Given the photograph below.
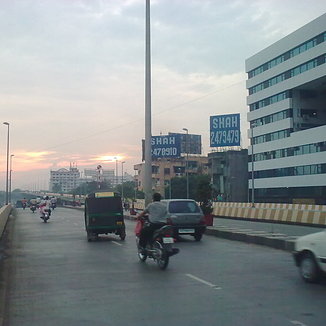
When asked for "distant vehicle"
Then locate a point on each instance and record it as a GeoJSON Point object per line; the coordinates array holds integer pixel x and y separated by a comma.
{"type": "Point", "coordinates": [46, 215]}
{"type": "Point", "coordinates": [310, 256]}
{"type": "Point", "coordinates": [103, 215]}
{"type": "Point", "coordinates": [186, 217]}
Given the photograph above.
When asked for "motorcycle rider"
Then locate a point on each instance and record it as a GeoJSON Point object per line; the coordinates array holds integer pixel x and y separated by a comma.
{"type": "Point", "coordinates": [45, 206]}
{"type": "Point", "coordinates": [157, 213]}
{"type": "Point", "coordinates": [53, 201]}
{"type": "Point", "coordinates": [24, 203]}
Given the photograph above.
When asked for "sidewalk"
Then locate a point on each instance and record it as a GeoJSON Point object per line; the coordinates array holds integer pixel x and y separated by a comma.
{"type": "Point", "coordinates": [275, 235]}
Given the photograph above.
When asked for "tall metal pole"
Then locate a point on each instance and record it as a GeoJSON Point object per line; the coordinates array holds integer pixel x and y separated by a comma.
{"type": "Point", "coordinates": [122, 179]}
{"type": "Point", "coordinates": [187, 151]}
{"type": "Point", "coordinates": [148, 114]}
{"type": "Point", "coordinates": [10, 172]}
{"type": "Point", "coordinates": [116, 172]}
{"type": "Point", "coordinates": [7, 174]}
{"type": "Point", "coordinates": [252, 168]}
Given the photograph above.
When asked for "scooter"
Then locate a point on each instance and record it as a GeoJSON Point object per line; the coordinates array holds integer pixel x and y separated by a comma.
{"type": "Point", "coordinates": [53, 206]}
{"type": "Point", "coordinates": [45, 215]}
{"type": "Point", "coordinates": [33, 208]}
{"type": "Point", "coordinates": [24, 205]}
{"type": "Point", "coordinates": [160, 247]}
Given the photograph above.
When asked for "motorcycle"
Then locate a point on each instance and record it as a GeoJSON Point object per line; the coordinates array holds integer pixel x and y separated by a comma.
{"type": "Point", "coordinates": [45, 215]}
{"type": "Point", "coordinates": [160, 247]}
{"type": "Point", "coordinates": [53, 206]}
{"type": "Point", "coordinates": [24, 205]}
{"type": "Point", "coordinates": [33, 208]}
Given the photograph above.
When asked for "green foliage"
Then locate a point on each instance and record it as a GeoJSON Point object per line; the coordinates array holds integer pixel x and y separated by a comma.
{"type": "Point", "coordinates": [92, 186]}
{"type": "Point", "coordinates": [57, 188]}
{"type": "Point", "coordinates": [129, 190]}
{"type": "Point", "coordinates": [199, 188]}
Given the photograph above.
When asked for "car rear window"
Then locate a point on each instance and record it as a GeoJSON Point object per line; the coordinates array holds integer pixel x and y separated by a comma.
{"type": "Point", "coordinates": [183, 207]}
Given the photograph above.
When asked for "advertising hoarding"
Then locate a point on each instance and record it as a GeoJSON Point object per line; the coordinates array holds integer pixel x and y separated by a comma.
{"type": "Point", "coordinates": [166, 146]}
{"type": "Point", "coordinates": [225, 130]}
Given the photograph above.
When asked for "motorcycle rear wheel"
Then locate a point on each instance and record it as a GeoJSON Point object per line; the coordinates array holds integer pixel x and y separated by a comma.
{"type": "Point", "coordinates": [163, 259]}
{"type": "Point", "coordinates": [141, 254]}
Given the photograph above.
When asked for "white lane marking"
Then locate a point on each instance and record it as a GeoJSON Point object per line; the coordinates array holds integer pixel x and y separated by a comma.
{"type": "Point", "coordinates": [204, 282]}
{"type": "Point", "coordinates": [117, 243]}
{"type": "Point", "coordinates": [298, 323]}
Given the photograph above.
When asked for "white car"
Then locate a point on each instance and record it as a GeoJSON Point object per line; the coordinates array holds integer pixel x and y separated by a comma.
{"type": "Point", "coordinates": [310, 256]}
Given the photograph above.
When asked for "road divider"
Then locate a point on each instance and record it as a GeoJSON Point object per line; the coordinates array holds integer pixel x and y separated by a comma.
{"type": "Point", "coordinates": [284, 213]}
{"type": "Point", "coordinates": [4, 214]}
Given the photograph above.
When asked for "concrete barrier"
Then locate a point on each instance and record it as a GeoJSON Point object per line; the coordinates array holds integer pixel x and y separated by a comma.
{"type": "Point", "coordinates": [281, 213]}
{"type": "Point", "coordinates": [4, 214]}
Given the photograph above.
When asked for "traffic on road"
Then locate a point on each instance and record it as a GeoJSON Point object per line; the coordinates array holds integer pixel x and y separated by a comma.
{"type": "Point", "coordinates": [56, 277]}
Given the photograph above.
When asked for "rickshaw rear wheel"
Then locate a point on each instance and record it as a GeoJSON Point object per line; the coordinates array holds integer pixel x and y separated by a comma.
{"type": "Point", "coordinates": [122, 235]}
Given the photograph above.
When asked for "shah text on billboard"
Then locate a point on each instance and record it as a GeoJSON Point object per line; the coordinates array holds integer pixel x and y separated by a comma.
{"type": "Point", "coordinates": [225, 130]}
{"type": "Point", "coordinates": [166, 146]}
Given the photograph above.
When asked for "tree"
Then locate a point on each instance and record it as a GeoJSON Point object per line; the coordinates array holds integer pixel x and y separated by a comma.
{"type": "Point", "coordinates": [199, 189]}
{"type": "Point", "coordinates": [92, 186]}
{"type": "Point", "coordinates": [57, 188]}
{"type": "Point", "coordinates": [128, 189]}
{"type": "Point", "coordinates": [204, 193]}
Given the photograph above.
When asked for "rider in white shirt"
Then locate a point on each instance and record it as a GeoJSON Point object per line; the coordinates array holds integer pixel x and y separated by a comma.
{"type": "Point", "coordinates": [45, 205]}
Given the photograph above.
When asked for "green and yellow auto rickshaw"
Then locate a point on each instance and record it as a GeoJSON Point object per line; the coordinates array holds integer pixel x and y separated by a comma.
{"type": "Point", "coordinates": [103, 215]}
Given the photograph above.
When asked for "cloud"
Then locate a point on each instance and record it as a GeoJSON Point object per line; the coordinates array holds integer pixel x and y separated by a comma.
{"type": "Point", "coordinates": [72, 76]}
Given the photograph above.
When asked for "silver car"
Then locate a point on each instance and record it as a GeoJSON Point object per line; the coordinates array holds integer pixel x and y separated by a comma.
{"type": "Point", "coordinates": [186, 217]}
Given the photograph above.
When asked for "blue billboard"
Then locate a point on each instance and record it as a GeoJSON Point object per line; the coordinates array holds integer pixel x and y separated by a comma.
{"type": "Point", "coordinates": [225, 130]}
{"type": "Point", "coordinates": [166, 146]}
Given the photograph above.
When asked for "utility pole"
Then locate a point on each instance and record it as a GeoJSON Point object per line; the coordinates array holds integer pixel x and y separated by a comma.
{"type": "Point", "coordinates": [148, 114]}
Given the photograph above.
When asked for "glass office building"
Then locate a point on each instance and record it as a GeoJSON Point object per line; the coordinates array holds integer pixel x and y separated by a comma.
{"type": "Point", "coordinates": [287, 114]}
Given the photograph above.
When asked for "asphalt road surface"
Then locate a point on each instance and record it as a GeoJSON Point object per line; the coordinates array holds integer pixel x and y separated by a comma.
{"type": "Point", "coordinates": [57, 278]}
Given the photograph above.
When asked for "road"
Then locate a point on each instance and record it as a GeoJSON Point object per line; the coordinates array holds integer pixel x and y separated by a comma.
{"type": "Point", "coordinates": [57, 278]}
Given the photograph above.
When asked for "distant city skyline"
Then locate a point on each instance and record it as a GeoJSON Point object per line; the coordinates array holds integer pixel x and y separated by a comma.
{"type": "Point", "coordinates": [72, 78]}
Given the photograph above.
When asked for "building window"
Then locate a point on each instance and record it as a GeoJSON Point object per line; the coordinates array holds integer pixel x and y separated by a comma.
{"type": "Point", "coordinates": [270, 100]}
{"type": "Point", "coordinates": [289, 54]}
{"type": "Point", "coordinates": [166, 171]}
{"type": "Point", "coordinates": [292, 151]}
{"type": "Point", "coordinates": [290, 171]}
{"type": "Point", "coordinates": [287, 74]}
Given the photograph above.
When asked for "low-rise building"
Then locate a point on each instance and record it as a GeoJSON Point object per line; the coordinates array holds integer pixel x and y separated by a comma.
{"type": "Point", "coordinates": [64, 180]}
{"type": "Point", "coordinates": [229, 175]}
{"type": "Point", "coordinates": [163, 170]}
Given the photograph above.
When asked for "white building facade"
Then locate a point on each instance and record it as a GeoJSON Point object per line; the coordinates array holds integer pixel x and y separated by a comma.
{"type": "Point", "coordinates": [106, 175]}
{"type": "Point", "coordinates": [64, 180]}
{"type": "Point", "coordinates": [287, 114]}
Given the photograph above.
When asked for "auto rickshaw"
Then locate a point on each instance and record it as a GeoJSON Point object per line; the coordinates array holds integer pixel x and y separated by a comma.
{"type": "Point", "coordinates": [104, 214]}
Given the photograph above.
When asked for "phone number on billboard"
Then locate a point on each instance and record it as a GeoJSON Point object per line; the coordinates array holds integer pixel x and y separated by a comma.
{"type": "Point", "coordinates": [225, 137]}
{"type": "Point", "coordinates": [165, 151]}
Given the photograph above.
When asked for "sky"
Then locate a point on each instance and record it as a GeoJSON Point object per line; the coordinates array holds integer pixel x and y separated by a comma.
{"type": "Point", "coordinates": [72, 78]}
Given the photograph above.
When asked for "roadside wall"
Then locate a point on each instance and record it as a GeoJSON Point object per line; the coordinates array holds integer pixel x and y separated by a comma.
{"type": "Point", "coordinates": [4, 214]}
{"type": "Point", "coordinates": [286, 213]}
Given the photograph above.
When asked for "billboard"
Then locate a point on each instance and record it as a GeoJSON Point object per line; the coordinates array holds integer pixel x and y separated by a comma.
{"type": "Point", "coordinates": [225, 130]}
{"type": "Point", "coordinates": [166, 146]}
{"type": "Point", "coordinates": [190, 143]}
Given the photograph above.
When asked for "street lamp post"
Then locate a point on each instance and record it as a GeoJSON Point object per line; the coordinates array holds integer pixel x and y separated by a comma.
{"type": "Point", "coordinates": [148, 111]}
{"type": "Point", "coordinates": [11, 156]}
{"type": "Point", "coordinates": [187, 151]}
{"type": "Point", "coordinates": [122, 179]}
{"type": "Point", "coordinates": [7, 174]}
{"type": "Point", "coordinates": [252, 167]}
{"type": "Point", "coordinates": [116, 172]}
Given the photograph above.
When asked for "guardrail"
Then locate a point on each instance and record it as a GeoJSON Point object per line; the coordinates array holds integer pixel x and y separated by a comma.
{"type": "Point", "coordinates": [284, 213]}
{"type": "Point", "coordinates": [4, 214]}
